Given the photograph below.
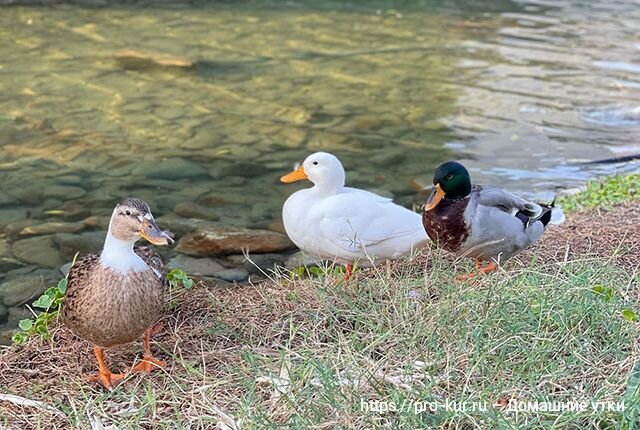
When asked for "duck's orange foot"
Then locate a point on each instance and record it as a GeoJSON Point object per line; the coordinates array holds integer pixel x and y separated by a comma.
{"type": "Point", "coordinates": [148, 364]}
{"type": "Point", "coordinates": [466, 277]}
{"type": "Point", "coordinates": [348, 271]}
{"type": "Point", "coordinates": [156, 328]}
{"type": "Point", "coordinates": [481, 270]}
{"type": "Point", "coordinates": [107, 379]}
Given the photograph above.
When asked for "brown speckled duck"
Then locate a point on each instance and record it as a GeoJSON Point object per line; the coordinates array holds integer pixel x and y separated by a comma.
{"type": "Point", "coordinates": [116, 297]}
{"type": "Point", "coordinates": [488, 224]}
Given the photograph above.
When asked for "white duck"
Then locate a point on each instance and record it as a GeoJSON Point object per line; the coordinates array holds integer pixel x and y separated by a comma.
{"type": "Point", "coordinates": [345, 224]}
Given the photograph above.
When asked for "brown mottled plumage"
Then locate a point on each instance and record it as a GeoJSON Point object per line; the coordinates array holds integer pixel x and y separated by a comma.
{"type": "Point", "coordinates": [115, 297]}
{"type": "Point", "coordinates": [108, 308]}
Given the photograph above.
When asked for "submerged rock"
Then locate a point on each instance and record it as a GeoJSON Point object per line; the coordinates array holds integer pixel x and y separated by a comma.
{"type": "Point", "coordinates": [17, 314]}
{"type": "Point", "coordinates": [139, 60]}
{"type": "Point", "coordinates": [4, 248]}
{"type": "Point", "coordinates": [6, 199]}
{"type": "Point", "coordinates": [7, 216]}
{"type": "Point", "coordinates": [52, 227]}
{"type": "Point", "coordinates": [389, 157]}
{"type": "Point", "coordinates": [70, 211]}
{"type": "Point", "coordinates": [64, 269]}
{"type": "Point", "coordinates": [178, 225]}
{"type": "Point", "coordinates": [84, 243]}
{"type": "Point", "coordinates": [63, 192]}
{"type": "Point", "coordinates": [194, 210]}
{"type": "Point", "coordinates": [175, 168]}
{"type": "Point", "coordinates": [215, 239]}
{"type": "Point", "coordinates": [12, 230]}
{"type": "Point", "coordinates": [4, 313]}
{"type": "Point", "coordinates": [40, 250]}
{"type": "Point", "coordinates": [7, 262]}
{"type": "Point", "coordinates": [24, 289]}
{"type": "Point", "coordinates": [245, 169]}
{"type": "Point", "coordinates": [69, 180]}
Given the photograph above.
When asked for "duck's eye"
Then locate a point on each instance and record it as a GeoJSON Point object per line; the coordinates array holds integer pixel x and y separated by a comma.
{"type": "Point", "coordinates": [449, 176]}
{"type": "Point", "coordinates": [128, 213]}
{"type": "Point", "coordinates": [315, 163]}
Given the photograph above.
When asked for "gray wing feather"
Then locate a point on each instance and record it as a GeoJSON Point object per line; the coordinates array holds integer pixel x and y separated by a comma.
{"type": "Point", "coordinates": [507, 202]}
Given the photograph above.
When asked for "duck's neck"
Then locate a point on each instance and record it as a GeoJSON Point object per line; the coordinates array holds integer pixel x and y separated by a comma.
{"type": "Point", "coordinates": [331, 185]}
{"type": "Point", "coordinates": [119, 255]}
{"type": "Point", "coordinates": [327, 189]}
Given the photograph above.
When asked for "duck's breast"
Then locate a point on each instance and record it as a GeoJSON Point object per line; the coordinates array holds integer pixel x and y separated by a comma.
{"type": "Point", "coordinates": [448, 225]}
{"type": "Point", "coordinates": [296, 217]}
{"type": "Point", "coordinates": [111, 308]}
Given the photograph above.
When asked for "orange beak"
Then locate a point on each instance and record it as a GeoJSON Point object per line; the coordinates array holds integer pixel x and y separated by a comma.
{"type": "Point", "coordinates": [436, 196]}
{"type": "Point", "coordinates": [297, 175]}
{"type": "Point", "coordinates": [153, 234]}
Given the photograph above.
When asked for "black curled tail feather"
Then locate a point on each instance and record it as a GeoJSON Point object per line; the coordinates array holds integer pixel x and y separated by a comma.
{"type": "Point", "coordinates": [544, 217]}
{"type": "Point", "coordinates": [523, 218]}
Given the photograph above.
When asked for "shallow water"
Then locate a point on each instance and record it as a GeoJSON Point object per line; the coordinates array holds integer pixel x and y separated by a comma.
{"type": "Point", "coordinates": [522, 92]}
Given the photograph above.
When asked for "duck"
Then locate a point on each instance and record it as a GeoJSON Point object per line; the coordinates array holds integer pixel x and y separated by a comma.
{"type": "Point", "coordinates": [334, 222]}
{"type": "Point", "coordinates": [115, 297]}
{"type": "Point", "coordinates": [485, 223]}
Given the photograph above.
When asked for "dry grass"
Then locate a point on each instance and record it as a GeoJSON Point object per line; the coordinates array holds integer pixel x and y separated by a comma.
{"type": "Point", "coordinates": [312, 353]}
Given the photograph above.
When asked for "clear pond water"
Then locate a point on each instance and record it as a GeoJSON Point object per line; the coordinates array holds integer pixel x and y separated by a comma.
{"type": "Point", "coordinates": [522, 92]}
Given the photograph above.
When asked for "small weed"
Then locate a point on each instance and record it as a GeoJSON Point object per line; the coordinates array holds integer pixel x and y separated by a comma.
{"type": "Point", "coordinates": [606, 293]}
{"type": "Point", "coordinates": [49, 302]}
{"type": "Point", "coordinates": [332, 270]}
{"type": "Point", "coordinates": [179, 278]}
{"type": "Point", "coordinates": [629, 315]}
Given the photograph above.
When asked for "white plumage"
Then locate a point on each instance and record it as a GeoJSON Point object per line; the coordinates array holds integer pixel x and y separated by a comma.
{"type": "Point", "coordinates": [345, 224]}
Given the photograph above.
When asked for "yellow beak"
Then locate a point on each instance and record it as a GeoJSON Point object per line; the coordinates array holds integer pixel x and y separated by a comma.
{"type": "Point", "coordinates": [436, 196]}
{"type": "Point", "coordinates": [297, 175]}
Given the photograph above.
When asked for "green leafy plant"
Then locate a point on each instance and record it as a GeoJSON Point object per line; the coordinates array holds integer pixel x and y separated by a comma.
{"type": "Point", "coordinates": [318, 272]}
{"type": "Point", "coordinates": [607, 295]}
{"type": "Point", "coordinates": [629, 315]}
{"type": "Point", "coordinates": [605, 292]}
{"type": "Point", "coordinates": [178, 277]}
{"type": "Point", "coordinates": [49, 302]}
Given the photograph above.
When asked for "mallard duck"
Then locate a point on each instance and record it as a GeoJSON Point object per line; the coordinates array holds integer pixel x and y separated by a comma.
{"type": "Point", "coordinates": [488, 224]}
{"type": "Point", "coordinates": [115, 297]}
{"type": "Point", "coordinates": [345, 224]}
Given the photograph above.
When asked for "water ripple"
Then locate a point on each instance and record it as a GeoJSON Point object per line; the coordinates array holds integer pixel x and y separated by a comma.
{"type": "Point", "coordinates": [613, 116]}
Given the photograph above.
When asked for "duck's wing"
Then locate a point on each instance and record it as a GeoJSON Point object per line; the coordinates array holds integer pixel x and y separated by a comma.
{"type": "Point", "coordinates": [154, 261]}
{"type": "Point", "coordinates": [358, 193]}
{"type": "Point", "coordinates": [80, 272]}
{"type": "Point", "coordinates": [78, 280]}
{"type": "Point", "coordinates": [527, 212]}
{"type": "Point", "coordinates": [506, 202]}
{"type": "Point", "coordinates": [357, 220]}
